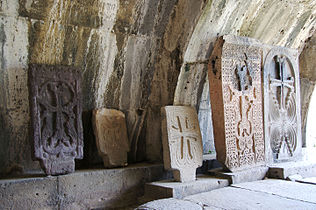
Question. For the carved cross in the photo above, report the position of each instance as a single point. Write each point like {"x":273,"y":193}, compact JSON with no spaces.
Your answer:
{"x":184,"y":133}
{"x":283,"y":83}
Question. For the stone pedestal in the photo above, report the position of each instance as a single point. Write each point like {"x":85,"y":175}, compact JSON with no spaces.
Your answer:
{"x":55,"y":108}
{"x":111,"y":136}
{"x":182,"y":142}
{"x":236,"y":100}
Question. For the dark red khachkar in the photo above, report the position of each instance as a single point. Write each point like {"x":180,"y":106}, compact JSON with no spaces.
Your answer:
{"x":56,"y":126}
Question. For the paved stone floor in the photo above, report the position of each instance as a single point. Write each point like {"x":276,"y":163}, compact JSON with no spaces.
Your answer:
{"x":265,"y":194}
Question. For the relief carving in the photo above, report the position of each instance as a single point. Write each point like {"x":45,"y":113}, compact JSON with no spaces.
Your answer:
{"x":56,"y":117}
{"x":282,"y":105}
{"x":182,"y":141}
{"x":238,"y":129}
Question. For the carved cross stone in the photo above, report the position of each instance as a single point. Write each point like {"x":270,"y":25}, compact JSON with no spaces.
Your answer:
{"x":111,"y":136}
{"x":235,"y":95}
{"x":282,"y":114}
{"x":182,"y":141}
{"x":56,"y":117}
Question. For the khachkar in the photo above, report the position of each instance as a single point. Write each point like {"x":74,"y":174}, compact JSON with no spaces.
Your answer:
{"x":236,"y":100}
{"x":182,"y":142}
{"x":55,"y":108}
{"x":111,"y":136}
{"x":282,"y":105}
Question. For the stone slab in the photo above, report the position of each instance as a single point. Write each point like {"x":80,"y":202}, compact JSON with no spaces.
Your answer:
{"x":310,"y":180}
{"x":286,"y":169}
{"x":248,"y":175}
{"x":84,"y":189}
{"x":170,"y":204}
{"x":282,"y":188}
{"x":55,"y":109}
{"x":110,"y":130}
{"x":234,"y":73}
{"x":172,"y":189}
{"x":230,"y":198}
{"x":182,"y":142}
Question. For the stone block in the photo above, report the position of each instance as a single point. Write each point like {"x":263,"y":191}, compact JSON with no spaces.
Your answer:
{"x":286,"y":169}
{"x":29,"y":193}
{"x":172,"y":189}
{"x":170,"y":204}
{"x":55,"y":107}
{"x":236,"y":100}
{"x":182,"y":142}
{"x":111,"y":136}
{"x":282,"y":105}
{"x":247,"y":175}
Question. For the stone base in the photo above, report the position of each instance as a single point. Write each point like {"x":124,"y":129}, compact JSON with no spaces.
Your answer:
{"x":284,"y":170}
{"x":172,"y":189}
{"x":248,"y":175}
{"x":84,"y":189}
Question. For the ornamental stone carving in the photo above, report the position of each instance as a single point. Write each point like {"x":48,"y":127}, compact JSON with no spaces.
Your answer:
{"x":236,"y":100}
{"x":56,"y":125}
{"x":282,"y":105}
{"x":182,"y":142}
{"x":111,"y":136}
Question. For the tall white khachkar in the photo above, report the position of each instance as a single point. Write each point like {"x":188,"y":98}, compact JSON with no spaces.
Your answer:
{"x":236,"y":100}
{"x":182,"y":142}
{"x":111,"y":136}
{"x":282,"y":105}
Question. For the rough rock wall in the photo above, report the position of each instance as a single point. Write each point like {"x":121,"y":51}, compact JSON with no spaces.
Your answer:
{"x":277,"y":22}
{"x":129,"y":52}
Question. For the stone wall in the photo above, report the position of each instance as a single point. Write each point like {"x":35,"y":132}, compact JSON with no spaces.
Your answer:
{"x":135,"y":55}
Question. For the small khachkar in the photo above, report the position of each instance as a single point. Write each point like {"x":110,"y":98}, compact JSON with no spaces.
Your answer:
{"x":182,"y":142}
{"x":111,"y":136}
{"x":236,"y":100}
{"x":55,"y":108}
{"x":282,"y":105}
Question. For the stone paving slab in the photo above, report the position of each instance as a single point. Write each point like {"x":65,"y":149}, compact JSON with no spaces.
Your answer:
{"x":285,"y":189}
{"x":310,"y":180}
{"x":230,"y":198}
{"x":170,"y":204}
{"x":286,"y":169}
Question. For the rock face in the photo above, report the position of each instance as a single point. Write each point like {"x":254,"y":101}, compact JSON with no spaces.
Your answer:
{"x":55,"y":107}
{"x":282,"y":105}
{"x":182,"y":141}
{"x":111,"y":136}
{"x":236,"y":99}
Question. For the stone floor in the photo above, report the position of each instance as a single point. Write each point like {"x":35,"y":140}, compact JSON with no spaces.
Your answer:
{"x":264,"y":194}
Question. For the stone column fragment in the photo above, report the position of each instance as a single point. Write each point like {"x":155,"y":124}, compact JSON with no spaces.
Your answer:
{"x":236,"y":101}
{"x":182,"y":142}
{"x":111,"y":136}
{"x":282,"y":105}
{"x":56,"y":126}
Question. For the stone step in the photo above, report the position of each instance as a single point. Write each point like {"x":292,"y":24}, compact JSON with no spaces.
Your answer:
{"x":284,"y":170}
{"x":247,"y":175}
{"x":172,"y":189}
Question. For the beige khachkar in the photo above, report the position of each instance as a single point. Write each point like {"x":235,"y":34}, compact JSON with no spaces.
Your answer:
{"x":182,"y":141}
{"x":236,"y":100}
{"x":282,"y":105}
{"x":111,"y":136}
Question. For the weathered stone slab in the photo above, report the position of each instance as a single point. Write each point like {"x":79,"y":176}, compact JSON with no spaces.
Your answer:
{"x":182,"y":141}
{"x":282,"y":105}
{"x":236,"y":100}
{"x":55,"y":107}
{"x":232,"y":198}
{"x":171,"y":189}
{"x":111,"y":136}
{"x":286,"y":189}
{"x":170,"y":204}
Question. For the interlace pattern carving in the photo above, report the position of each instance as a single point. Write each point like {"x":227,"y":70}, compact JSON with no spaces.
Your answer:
{"x":241,"y":81}
{"x":56,"y":117}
